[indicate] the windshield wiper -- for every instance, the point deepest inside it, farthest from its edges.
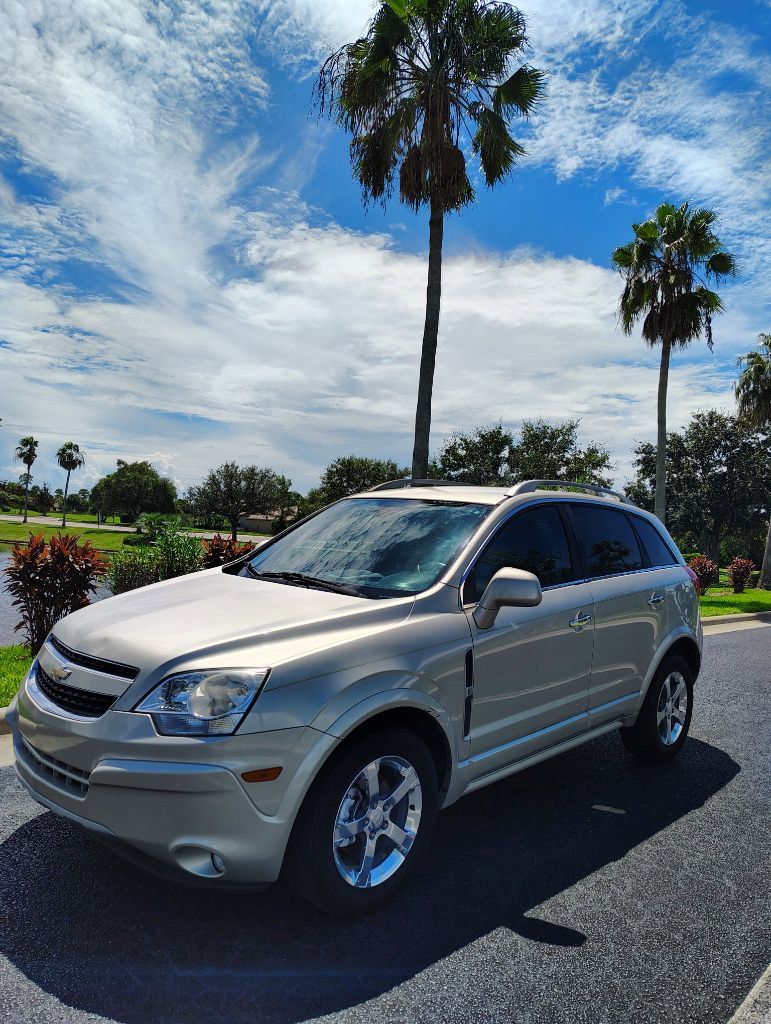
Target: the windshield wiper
(304, 580)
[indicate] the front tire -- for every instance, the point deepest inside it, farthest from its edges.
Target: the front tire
(365, 824)
(665, 717)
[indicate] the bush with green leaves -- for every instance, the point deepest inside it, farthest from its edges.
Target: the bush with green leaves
(173, 554)
(178, 553)
(152, 524)
(137, 567)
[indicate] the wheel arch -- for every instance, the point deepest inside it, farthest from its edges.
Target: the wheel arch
(683, 644)
(422, 717)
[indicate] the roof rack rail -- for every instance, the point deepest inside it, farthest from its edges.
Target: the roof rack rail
(392, 485)
(527, 486)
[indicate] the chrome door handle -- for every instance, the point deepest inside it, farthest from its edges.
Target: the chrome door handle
(579, 622)
(655, 599)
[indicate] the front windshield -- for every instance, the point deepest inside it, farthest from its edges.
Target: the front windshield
(374, 547)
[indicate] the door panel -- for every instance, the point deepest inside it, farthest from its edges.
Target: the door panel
(630, 614)
(531, 673)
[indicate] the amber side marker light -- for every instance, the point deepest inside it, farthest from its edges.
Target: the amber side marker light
(261, 774)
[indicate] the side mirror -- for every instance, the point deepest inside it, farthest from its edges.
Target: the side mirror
(509, 588)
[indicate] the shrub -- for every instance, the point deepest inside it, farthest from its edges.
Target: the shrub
(153, 524)
(178, 554)
(132, 569)
(705, 570)
(49, 580)
(220, 551)
(739, 573)
(135, 540)
(173, 554)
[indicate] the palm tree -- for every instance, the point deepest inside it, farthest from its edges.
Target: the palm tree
(26, 452)
(427, 80)
(753, 396)
(666, 268)
(69, 457)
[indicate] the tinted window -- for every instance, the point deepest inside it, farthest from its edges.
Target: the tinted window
(606, 540)
(534, 540)
(657, 550)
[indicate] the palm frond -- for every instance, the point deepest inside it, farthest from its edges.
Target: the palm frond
(426, 73)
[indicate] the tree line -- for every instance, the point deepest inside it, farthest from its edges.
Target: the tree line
(718, 467)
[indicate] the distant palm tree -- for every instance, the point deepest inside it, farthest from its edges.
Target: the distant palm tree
(26, 452)
(666, 269)
(69, 457)
(426, 81)
(753, 396)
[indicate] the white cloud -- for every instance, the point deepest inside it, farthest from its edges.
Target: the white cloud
(309, 347)
(319, 356)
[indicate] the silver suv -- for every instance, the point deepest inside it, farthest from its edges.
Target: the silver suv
(308, 710)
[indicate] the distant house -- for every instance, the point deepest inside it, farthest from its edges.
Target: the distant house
(262, 522)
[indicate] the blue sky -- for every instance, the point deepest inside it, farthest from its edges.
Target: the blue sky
(188, 273)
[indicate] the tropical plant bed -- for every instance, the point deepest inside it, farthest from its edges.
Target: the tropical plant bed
(720, 601)
(14, 665)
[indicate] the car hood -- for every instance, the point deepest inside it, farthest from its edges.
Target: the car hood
(213, 619)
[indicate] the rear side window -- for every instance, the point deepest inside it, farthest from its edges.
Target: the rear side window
(534, 540)
(655, 546)
(606, 540)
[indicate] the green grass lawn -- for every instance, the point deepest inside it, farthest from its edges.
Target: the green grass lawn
(81, 517)
(14, 665)
(723, 601)
(104, 539)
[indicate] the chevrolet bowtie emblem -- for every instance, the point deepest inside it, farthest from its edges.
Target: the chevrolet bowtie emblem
(60, 673)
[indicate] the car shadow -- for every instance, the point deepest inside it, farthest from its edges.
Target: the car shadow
(102, 936)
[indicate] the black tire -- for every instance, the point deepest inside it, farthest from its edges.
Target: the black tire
(644, 739)
(310, 866)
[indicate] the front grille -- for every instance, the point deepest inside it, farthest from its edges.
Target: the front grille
(59, 772)
(70, 698)
(109, 668)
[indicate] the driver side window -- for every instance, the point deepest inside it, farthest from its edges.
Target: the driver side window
(535, 540)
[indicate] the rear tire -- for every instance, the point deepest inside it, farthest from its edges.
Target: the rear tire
(351, 849)
(665, 717)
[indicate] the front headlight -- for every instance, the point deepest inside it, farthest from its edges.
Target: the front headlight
(206, 703)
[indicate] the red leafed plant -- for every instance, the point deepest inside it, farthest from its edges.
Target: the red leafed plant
(49, 580)
(220, 551)
(706, 571)
(739, 572)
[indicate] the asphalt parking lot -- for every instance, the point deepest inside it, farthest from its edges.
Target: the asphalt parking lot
(591, 888)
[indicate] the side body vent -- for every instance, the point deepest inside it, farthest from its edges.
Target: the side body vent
(469, 693)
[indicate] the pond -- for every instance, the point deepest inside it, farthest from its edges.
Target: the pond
(9, 616)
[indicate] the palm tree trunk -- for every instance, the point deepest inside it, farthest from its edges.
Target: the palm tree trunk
(765, 572)
(430, 337)
(660, 507)
(64, 503)
(26, 489)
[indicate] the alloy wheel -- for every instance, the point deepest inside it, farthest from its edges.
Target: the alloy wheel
(672, 708)
(377, 821)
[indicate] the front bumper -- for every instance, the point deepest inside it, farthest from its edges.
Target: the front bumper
(175, 800)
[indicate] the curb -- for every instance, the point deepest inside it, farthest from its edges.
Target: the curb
(5, 729)
(756, 1008)
(708, 620)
